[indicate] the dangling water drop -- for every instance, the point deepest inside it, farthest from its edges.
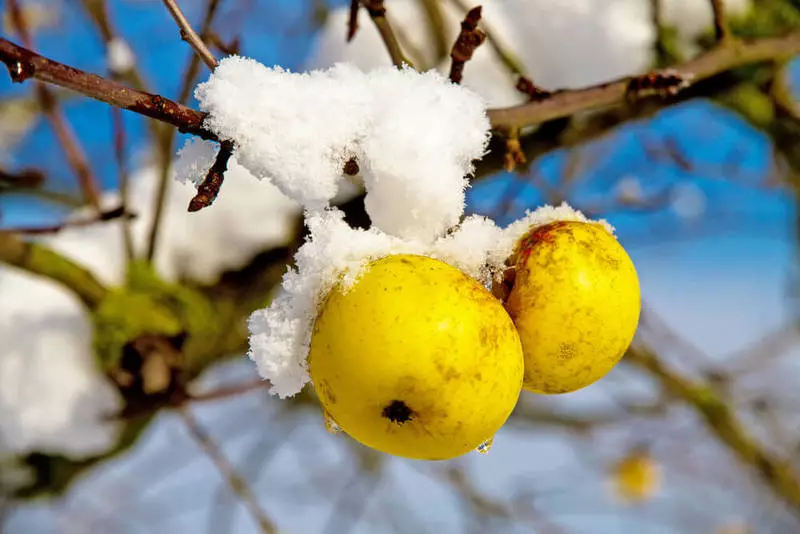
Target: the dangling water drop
(330, 423)
(20, 71)
(486, 446)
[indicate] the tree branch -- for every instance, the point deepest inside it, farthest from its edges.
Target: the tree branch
(776, 473)
(237, 484)
(468, 40)
(166, 144)
(208, 190)
(721, 30)
(189, 35)
(567, 102)
(38, 259)
(23, 64)
(377, 12)
(74, 152)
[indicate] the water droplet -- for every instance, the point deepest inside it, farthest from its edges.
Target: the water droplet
(486, 446)
(20, 71)
(330, 423)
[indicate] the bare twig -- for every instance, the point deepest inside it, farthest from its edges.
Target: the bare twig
(166, 142)
(103, 216)
(76, 156)
(468, 40)
(434, 13)
(23, 64)
(38, 259)
(189, 35)
(721, 29)
(713, 62)
(208, 190)
(514, 155)
(534, 92)
(511, 61)
(776, 473)
(352, 20)
(235, 481)
(230, 391)
(24, 179)
(118, 126)
(377, 12)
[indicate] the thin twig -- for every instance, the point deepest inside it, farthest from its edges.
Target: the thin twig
(352, 19)
(24, 179)
(167, 142)
(230, 391)
(38, 259)
(718, 60)
(468, 40)
(208, 190)
(76, 156)
(776, 473)
(721, 29)
(118, 126)
(24, 64)
(189, 35)
(104, 216)
(508, 58)
(377, 12)
(235, 481)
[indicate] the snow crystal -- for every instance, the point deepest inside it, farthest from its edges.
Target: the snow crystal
(336, 253)
(413, 135)
(485, 73)
(194, 160)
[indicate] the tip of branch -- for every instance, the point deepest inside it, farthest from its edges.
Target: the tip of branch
(352, 22)
(473, 18)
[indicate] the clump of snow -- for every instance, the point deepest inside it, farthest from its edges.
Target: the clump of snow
(485, 73)
(578, 43)
(629, 189)
(687, 201)
(413, 135)
(120, 56)
(52, 398)
(335, 253)
(561, 44)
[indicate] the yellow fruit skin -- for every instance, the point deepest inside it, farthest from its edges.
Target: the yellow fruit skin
(637, 478)
(575, 301)
(416, 339)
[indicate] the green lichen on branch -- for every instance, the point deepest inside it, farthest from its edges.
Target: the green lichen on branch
(148, 305)
(38, 259)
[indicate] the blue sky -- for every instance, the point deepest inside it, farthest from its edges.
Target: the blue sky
(721, 280)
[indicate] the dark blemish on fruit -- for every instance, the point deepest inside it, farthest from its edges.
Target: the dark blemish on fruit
(327, 392)
(448, 372)
(566, 351)
(397, 412)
